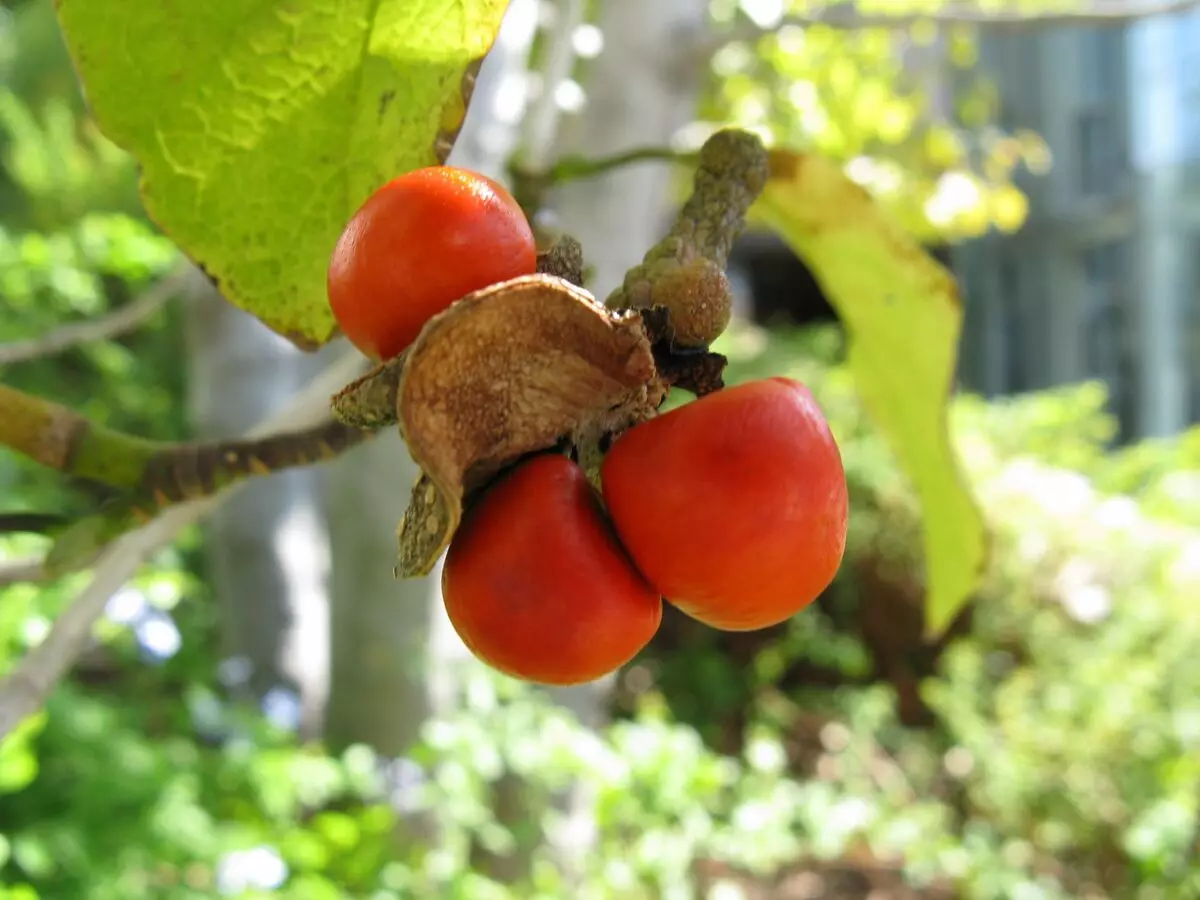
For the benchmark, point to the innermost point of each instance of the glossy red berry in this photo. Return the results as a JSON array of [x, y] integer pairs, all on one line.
[[734, 506], [420, 242], [536, 583]]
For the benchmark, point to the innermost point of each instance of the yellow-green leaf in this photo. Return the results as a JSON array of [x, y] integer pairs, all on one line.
[[903, 316], [260, 127]]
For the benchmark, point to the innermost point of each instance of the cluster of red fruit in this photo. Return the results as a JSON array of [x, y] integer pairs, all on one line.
[[733, 507]]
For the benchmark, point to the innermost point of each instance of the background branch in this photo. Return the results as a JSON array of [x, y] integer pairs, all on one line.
[[24, 690], [542, 119], [21, 569], [162, 472], [531, 182], [846, 16], [193, 471], [126, 318], [59, 438]]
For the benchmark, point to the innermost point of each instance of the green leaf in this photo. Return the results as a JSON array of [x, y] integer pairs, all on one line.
[[903, 316], [261, 127]]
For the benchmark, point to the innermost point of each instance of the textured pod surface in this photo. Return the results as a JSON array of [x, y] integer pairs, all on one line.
[[698, 298], [505, 372], [537, 585], [734, 506]]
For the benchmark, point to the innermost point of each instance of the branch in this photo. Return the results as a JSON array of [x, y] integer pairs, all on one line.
[[151, 474], [24, 690], [22, 569], [159, 472], [59, 438], [845, 16], [191, 471], [126, 318], [530, 183], [541, 120], [575, 168]]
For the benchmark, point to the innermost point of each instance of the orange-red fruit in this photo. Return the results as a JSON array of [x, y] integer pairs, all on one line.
[[537, 585], [419, 243], [734, 506]]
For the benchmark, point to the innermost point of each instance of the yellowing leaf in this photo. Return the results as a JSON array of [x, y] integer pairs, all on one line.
[[943, 147], [903, 316], [1009, 207], [260, 127], [964, 51], [895, 121], [923, 33], [1034, 151], [973, 221]]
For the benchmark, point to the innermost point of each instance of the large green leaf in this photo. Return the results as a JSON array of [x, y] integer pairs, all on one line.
[[261, 126], [903, 316]]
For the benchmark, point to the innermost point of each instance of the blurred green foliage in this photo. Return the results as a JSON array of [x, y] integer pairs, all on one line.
[[74, 245], [906, 108], [1063, 761], [1053, 753], [1062, 758]]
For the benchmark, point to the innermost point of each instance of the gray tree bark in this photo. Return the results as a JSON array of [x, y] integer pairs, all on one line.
[[380, 626], [267, 549], [394, 653], [641, 90], [638, 93]]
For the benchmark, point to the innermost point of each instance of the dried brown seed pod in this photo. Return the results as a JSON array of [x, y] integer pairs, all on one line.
[[505, 372]]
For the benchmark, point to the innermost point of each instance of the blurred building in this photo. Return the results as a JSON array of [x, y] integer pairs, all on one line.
[[1103, 280]]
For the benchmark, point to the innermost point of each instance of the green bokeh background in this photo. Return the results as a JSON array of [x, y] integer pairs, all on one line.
[[1051, 750]]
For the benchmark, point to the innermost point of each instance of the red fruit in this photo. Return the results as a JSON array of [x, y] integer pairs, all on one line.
[[734, 507], [419, 243], [536, 583]]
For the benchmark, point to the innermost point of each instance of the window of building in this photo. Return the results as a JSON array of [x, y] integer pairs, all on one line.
[[1186, 41], [1102, 151], [1016, 335], [1107, 327], [1101, 137], [1191, 344], [1103, 59]]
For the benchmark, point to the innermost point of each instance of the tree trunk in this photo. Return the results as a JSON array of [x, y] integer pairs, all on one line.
[[380, 624], [268, 554], [395, 654], [638, 93]]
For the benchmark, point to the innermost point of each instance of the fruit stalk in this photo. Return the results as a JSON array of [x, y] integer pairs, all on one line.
[[685, 271]]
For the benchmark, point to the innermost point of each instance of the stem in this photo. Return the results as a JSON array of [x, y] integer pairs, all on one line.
[[152, 474], [576, 168], [126, 318], [61, 439], [530, 184], [731, 172], [188, 471], [845, 16]]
